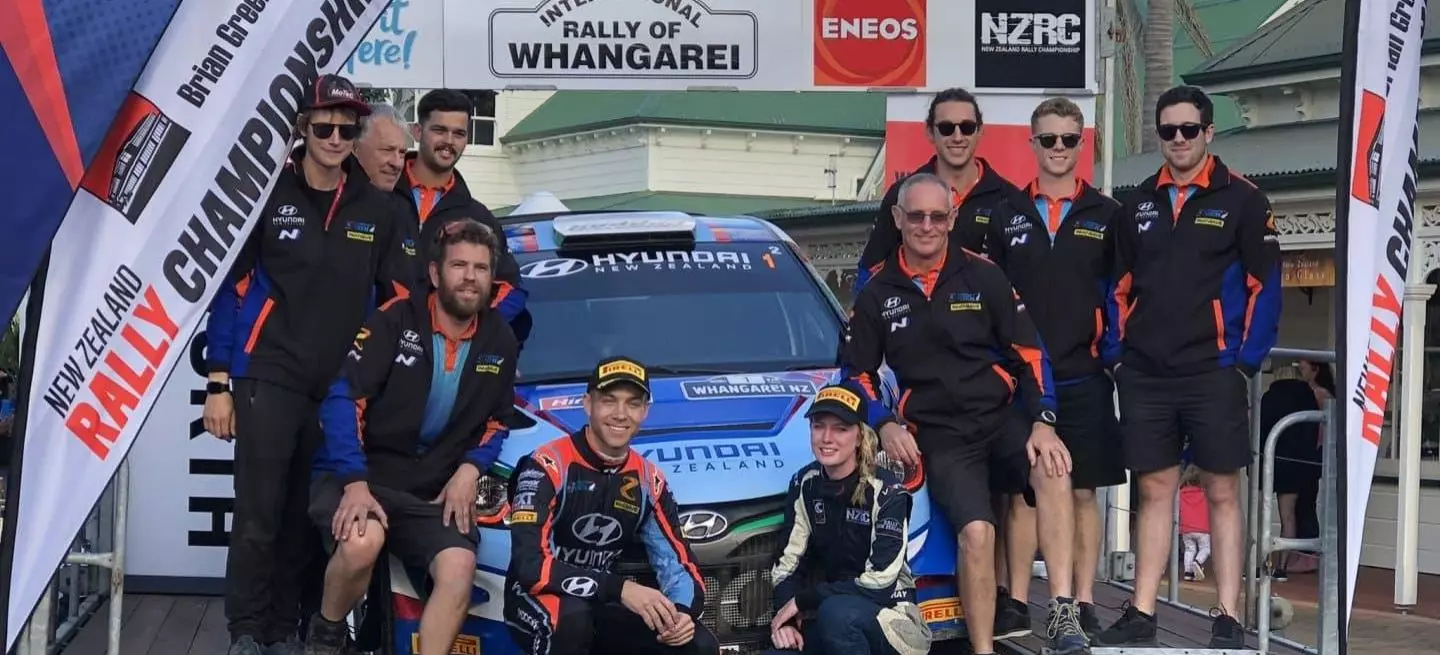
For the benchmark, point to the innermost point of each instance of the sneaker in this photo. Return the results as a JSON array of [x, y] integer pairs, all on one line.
[[1088, 621], [1199, 574], [1225, 632], [328, 638], [1063, 634], [291, 646], [1132, 628], [246, 646], [1189, 576], [1012, 617]]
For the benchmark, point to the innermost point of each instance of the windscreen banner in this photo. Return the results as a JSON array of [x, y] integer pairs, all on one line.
[[1380, 225], [161, 213]]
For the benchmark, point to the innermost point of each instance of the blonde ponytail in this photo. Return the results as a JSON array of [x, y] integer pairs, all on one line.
[[865, 462]]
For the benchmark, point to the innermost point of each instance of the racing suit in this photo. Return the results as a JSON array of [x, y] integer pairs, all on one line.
[[310, 272], [571, 516], [862, 590]]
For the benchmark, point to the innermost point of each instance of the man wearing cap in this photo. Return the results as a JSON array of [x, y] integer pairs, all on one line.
[[328, 246], [436, 193], [846, 535], [576, 503], [416, 416]]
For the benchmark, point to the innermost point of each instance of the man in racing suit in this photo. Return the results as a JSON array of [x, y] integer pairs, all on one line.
[[576, 504], [965, 351]]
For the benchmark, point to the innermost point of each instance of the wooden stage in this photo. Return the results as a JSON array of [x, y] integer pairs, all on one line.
[[159, 625]]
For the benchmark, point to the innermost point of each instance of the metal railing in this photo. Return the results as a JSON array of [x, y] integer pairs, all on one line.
[[79, 575], [1328, 631]]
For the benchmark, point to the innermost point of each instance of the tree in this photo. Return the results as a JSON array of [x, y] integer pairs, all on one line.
[[1159, 49], [10, 348], [1149, 35]]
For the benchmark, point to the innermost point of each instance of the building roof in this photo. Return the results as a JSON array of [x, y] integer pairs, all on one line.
[[1288, 155], [567, 112], [1307, 37], [694, 203]]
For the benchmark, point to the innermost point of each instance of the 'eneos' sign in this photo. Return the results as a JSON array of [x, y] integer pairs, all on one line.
[[870, 43]]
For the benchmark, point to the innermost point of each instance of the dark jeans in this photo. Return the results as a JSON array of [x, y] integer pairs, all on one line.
[[845, 625], [272, 542]]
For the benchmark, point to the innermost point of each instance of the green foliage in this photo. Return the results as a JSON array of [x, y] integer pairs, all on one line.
[[10, 348]]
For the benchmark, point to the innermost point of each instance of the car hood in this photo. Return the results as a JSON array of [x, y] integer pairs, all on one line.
[[717, 439]]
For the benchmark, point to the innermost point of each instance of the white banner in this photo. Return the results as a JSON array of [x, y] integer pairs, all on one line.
[[158, 221], [749, 45], [1381, 229]]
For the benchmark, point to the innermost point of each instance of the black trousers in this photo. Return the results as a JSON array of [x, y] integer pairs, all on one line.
[[565, 625], [275, 551]]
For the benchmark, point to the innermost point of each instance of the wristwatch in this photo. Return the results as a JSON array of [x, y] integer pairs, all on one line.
[[1047, 417], [213, 388]]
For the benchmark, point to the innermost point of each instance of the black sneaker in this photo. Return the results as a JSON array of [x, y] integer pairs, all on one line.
[[1012, 617], [328, 638], [1226, 632], [1088, 622], [1132, 628], [1063, 635]]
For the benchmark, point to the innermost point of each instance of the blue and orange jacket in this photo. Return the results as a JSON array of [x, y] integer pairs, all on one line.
[[1060, 263], [572, 515], [1197, 273], [373, 415], [305, 280], [973, 207], [430, 208], [960, 342]]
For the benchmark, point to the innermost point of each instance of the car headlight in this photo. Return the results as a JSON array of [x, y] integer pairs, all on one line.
[[490, 496], [913, 477]]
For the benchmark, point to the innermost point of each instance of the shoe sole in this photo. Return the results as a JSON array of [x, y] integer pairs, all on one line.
[[1014, 634]]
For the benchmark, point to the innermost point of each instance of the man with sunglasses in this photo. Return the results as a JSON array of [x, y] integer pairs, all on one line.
[[1197, 266], [436, 193], [976, 396], [1054, 242], [328, 246], [954, 125]]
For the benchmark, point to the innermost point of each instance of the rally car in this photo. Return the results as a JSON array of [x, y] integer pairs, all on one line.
[[740, 332]]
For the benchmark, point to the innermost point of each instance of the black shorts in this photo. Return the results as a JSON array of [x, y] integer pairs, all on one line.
[[1158, 414], [1091, 432], [961, 474], [417, 532]]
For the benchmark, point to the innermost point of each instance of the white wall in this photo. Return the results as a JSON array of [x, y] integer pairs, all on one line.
[[1379, 549], [580, 165], [487, 169], [740, 162]]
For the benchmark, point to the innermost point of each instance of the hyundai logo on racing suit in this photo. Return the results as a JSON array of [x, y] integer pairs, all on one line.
[[580, 586], [597, 529], [702, 524]]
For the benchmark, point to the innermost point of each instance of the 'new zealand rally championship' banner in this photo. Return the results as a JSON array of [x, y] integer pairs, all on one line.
[[1381, 229], [159, 219]]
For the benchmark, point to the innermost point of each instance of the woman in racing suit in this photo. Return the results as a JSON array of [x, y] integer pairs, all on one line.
[[844, 556]]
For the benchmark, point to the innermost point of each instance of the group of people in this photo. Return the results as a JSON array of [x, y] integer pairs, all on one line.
[[1009, 316], [362, 354]]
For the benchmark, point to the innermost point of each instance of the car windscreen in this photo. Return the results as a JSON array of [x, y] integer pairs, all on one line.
[[702, 308]]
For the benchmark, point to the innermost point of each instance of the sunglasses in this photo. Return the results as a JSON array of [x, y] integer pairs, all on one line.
[[919, 218], [1188, 130], [946, 128], [1047, 141], [348, 131]]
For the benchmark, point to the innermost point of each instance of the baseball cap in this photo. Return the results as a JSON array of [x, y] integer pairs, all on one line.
[[615, 370], [330, 91], [842, 400]]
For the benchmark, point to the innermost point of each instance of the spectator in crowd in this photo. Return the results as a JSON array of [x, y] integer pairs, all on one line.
[[1194, 524]]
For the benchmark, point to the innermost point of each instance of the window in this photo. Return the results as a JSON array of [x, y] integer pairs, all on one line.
[[482, 120], [721, 308]]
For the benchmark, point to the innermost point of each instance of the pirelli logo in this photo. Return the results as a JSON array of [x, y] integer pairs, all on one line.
[[464, 645], [841, 395], [622, 367], [520, 517]]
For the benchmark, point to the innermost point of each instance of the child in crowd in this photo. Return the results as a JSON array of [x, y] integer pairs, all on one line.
[[1194, 524]]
